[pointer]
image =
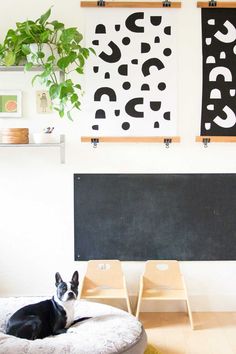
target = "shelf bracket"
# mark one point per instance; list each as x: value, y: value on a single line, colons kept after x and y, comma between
x: 206, y: 141
x: 167, y: 142
x: 62, y: 149
x: 95, y: 142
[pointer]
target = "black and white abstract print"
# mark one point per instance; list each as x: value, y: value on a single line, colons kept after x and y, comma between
x: 219, y: 72
x: 131, y: 84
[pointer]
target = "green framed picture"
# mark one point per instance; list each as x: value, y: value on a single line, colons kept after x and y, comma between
x: 10, y: 104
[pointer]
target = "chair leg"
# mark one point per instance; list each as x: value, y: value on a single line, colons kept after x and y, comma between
x: 128, y: 305
x: 138, y: 304
x: 190, y: 313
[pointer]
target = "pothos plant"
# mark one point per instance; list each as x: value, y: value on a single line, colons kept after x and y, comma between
x: 65, y: 53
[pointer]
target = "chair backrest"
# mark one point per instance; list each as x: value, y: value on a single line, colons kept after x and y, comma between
x: 162, y: 274
x: 104, y: 273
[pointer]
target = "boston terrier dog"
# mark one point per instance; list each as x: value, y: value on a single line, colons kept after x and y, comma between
x: 48, y: 317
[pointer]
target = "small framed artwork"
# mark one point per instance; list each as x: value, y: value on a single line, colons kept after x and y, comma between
x: 10, y: 104
x: 43, y: 102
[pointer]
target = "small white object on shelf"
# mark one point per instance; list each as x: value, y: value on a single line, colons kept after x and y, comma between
x: 45, y: 138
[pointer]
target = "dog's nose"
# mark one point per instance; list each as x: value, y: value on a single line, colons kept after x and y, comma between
x: 71, y: 295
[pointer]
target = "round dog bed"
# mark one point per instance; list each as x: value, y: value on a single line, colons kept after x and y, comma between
x: 110, y: 330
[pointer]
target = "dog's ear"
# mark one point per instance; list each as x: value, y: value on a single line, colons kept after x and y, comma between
x: 75, y: 278
x: 58, y: 279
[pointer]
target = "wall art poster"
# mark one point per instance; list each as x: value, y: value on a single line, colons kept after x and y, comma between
x: 10, y: 104
x: 219, y: 72
x: 131, y: 83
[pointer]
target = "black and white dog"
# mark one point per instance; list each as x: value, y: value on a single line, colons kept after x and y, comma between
x: 48, y: 317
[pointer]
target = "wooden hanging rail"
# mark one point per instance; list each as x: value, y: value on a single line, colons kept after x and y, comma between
x: 130, y: 139
x: 219, y: 4
x: 216, y: 139
x: 132, y: 4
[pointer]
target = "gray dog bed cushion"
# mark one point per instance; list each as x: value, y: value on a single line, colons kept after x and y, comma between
x: 110, y: 330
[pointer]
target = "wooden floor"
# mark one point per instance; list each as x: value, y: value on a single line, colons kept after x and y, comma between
x: 215, y: 333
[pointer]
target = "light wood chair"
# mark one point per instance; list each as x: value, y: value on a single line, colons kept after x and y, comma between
x: 104, y: 279
x: 162, y: 280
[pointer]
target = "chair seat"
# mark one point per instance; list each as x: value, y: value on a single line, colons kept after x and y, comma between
x: 97, y: 293
x: 163, y: 294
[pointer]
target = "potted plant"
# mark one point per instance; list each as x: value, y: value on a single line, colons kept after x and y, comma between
x: 51, y: 46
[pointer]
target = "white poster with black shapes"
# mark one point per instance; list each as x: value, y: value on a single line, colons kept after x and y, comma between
x: 219, y: 72
x: 131, y: 83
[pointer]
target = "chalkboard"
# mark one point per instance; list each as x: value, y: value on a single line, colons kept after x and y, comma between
x: 155, y: 216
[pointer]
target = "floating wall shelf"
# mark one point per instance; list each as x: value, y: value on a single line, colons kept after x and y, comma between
x: 20, y: 68
x: 60, y: 145
x: 131, y: 139
x: 131, y: 4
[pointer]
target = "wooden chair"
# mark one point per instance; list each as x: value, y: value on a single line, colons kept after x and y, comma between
x: 104, y: 279
x: 162, y: 280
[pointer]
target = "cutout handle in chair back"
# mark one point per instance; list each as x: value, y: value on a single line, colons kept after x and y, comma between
x: 105, y: 274
x: 163, y: 274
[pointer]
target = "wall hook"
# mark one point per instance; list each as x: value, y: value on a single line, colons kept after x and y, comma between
x: 167, y: 142
x: 95, y: 142
x: 206, y: 141
x: 212, y: 3
x: 166, y: 3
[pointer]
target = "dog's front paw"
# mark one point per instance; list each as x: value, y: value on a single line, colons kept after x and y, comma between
x: 72, y: 330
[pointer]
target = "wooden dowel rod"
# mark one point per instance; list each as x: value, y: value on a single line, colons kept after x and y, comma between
x: 131, y: 4
x: 219, y: 4
x: 217, y: 139
x: 130, y: 139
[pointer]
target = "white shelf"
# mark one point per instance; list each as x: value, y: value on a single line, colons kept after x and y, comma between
x: 60, y: 145
x: 20, y: 68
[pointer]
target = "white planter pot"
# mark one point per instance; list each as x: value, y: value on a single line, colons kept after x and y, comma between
x: 45, y: 48
x: 45, y: 138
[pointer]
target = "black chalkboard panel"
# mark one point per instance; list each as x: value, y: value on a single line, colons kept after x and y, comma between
x: 155, y: 216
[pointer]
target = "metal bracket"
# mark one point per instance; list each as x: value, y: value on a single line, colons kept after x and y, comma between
x: 95, y: 142
x: 212, y: 3
x: 101, y: 3
x: 62, y: 149
x: 167, y: 142
x: 206, y: 141
x: 166, y: 3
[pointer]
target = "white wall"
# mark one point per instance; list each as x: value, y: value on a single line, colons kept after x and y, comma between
x: 36, y: 191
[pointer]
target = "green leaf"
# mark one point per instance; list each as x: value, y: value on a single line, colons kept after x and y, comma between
x: 44, y: 37
x: 27, y: 29
x: 48, y: 83
x: 92, y: 51
x: 61, y: 113
x: 9, y: 58
x: 69, y: 116
x: 28, y: 66
x: 34, y: 78
x: 78, y: 37
x: 85, y: 52
x: 44, y: 17
x: 51, y: 59
x: 81, y: 60
x: 78, y: 86
x: 74, y: 98
x: 41, y: 55
x: 63, y: 63
x: 54, y: 91
x: 79, y: 70
x: 57, y: 25
x: 77, y: 105
x: 25, y: 49
x: 68, y: 34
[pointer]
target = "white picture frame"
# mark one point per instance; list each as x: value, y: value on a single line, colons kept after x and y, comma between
x: 10, y: 104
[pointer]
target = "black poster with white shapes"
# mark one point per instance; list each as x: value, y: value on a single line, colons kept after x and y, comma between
x: 219, y: 72
x: 131, y: 83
